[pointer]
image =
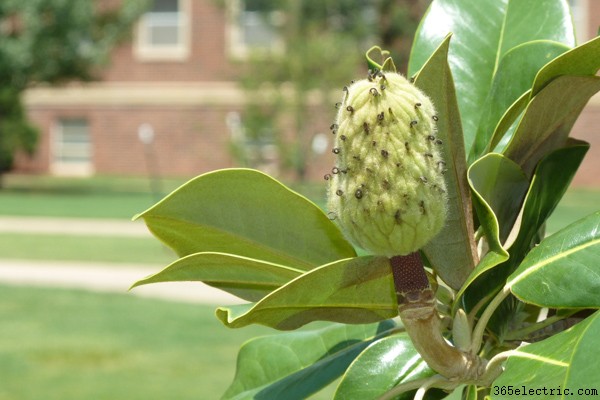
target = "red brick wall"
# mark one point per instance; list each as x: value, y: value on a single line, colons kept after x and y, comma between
x: 188, y: 140
x: 208, y: 60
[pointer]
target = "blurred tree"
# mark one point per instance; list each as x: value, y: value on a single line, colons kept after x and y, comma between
x: 323, y: 42
x: 52, y: 41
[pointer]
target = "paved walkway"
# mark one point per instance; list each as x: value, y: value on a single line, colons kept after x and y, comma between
x: 73, y: 226
x: 114, y: 278
x: 103, y: 277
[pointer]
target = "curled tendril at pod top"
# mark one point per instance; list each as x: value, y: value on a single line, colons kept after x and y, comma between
x: 390, y: 155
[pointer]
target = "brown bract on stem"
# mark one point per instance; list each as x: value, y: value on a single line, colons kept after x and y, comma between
x: 418, y: 312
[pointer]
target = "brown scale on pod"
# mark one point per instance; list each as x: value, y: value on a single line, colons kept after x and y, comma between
x: 366, y: 127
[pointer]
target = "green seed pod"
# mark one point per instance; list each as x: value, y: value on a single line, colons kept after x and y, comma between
x: 387, y: 189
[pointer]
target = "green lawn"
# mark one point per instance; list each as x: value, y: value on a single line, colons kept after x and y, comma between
x: 576, y: 204
x: 66, y: 344
x: 97, y: 197
x: 136, y: 250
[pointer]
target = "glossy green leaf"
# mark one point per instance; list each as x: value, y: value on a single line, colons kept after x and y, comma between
x: 550, y: 181
x: 294, y: 365
x: 508, y: 124
x: 582, y: 60
x: 567, y: 360
x: 356, y: 291
x: 246, y: 213
x: 564, y: 270
x: 483, y: 32
x: 244, y: 277
x: 452, y: 252
x: 514, y: 76
x: 549, y: 118
x: 502, y: 185
x: 499, y: 187
x: 381, y: 366
x: 487, y: 263
x: 457, y: 394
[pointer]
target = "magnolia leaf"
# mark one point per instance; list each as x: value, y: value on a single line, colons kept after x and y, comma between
x: 550, y: 181
x: 249, y: 214
x: 548, y: 119
x: 294, y: 365
x: 483, y: 32
x: 515, y: 75
x: 244, y: 277
x: 356, y: 291
x: 582, y: 60
x: 498, y: 186
x: 381, y: 366
x: 508, y: 124
x: 452, y: 252
x: 566, y: 361
x: 502, y: 185
x: 564, y: 270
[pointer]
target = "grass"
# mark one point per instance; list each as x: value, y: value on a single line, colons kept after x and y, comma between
x: 65, y: 344
x: 136, y: 250
x: 97, y: 197
x: 576, y: 204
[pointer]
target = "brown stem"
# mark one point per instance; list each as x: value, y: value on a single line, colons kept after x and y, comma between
x: 417, y: 309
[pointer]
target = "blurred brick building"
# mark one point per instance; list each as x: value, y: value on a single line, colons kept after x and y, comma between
x: 171, y: 92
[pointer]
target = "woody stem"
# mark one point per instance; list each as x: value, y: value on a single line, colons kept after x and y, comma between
x: 418, y: 312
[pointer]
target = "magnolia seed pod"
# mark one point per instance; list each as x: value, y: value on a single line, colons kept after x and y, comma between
x: 387, y: 188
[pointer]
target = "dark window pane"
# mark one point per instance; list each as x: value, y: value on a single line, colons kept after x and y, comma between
x: 165, y: 6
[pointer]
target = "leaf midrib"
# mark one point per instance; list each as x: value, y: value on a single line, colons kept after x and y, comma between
x: 500, y: 42
x: 579, y: 339
x: 537, y: 266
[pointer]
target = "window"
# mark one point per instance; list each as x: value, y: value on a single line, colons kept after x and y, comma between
x: 72, y: 148
x: 163, y: 32
x: 253, y: 28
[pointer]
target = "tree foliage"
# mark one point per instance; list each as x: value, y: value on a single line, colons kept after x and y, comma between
x: 52, y: 41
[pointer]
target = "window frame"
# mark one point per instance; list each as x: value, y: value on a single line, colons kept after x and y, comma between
x: 61, y: 167
x: 145, y: 51
x: 236, y: 45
